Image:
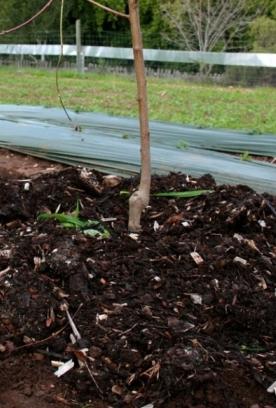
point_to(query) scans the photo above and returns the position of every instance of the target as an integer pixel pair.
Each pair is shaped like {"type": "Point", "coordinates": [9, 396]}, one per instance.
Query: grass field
{"type": "Point", "coordinates": [251, 109]}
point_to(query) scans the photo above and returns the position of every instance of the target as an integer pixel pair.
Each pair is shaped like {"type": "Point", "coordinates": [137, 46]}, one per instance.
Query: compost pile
{"type": "Point", "coordinates": [180, 315]}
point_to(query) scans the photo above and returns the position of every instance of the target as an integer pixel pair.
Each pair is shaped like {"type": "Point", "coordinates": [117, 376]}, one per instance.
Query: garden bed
{"type": "Point", "coordinates": [181, 315]}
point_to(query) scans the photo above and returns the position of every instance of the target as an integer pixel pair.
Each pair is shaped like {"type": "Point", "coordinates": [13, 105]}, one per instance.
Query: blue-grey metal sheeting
{"type": "Point", "coordinates": [45, 133]}
{"type": "Point", "coordinates": [162, 133]}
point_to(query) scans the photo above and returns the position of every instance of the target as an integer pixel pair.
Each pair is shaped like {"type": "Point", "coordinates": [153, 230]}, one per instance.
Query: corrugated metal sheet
{"type": "Point", "coordinates": [101, 145]}
{"type": "Point", "coordinates": [162, 133]}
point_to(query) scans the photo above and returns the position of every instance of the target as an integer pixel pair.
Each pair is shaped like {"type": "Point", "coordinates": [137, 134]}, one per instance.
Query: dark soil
{"type": "Point", "coordinates": [158, 325]}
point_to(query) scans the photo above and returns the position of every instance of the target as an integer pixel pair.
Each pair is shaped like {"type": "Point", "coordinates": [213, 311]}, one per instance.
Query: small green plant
{"type": "Point", "coordinates": [91, 228]}
{"type": "Point", "coordinates": [245, 156]}
{"type": "Point", "coordinates": [182, 145]}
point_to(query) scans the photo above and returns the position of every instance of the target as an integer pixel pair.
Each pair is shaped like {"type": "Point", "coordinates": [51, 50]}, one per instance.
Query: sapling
{"type": "Point", "coordinates": [140, 198]}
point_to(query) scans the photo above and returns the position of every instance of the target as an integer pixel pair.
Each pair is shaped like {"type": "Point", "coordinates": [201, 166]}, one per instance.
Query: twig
{"type": "Point", "coordinates": [51, 354]}
{"type": "Point", "coordinates": [93, 378]}
{"type": "Point", "coordinates": [110, 10]}
{"type": "Point", "coordinates": [152, 371]}
{"type": "Point", "coordinates": [52, 336]}
{"type": "Point", "coordinates": [4, 272]}
{"type": "Point", "coordinates": [128, 330]}
{"type": "Point", "coordinates": [11, 30]}
{"type": "Point", "coordinates": [83, 360]}
{"type": "Point", "coordinates": [73, 326]}
{"type": "Point", "coordinates": [39, 342]}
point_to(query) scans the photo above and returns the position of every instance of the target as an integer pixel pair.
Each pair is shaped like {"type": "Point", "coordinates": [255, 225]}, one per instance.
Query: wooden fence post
{"type": "Point", "coordinates": [80, 57]}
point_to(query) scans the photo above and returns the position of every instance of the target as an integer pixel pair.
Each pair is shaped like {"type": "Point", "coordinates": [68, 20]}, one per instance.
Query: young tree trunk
{"type": "Point", "coordinates": [140, 198]}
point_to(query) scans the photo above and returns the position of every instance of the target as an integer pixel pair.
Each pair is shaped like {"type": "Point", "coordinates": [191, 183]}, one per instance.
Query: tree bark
{"type": "Point", "coordinates": [140, 198]}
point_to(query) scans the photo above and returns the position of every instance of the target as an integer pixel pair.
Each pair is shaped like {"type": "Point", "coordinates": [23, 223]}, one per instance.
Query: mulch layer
{"type": "Point", "coordinates": [180, 315]}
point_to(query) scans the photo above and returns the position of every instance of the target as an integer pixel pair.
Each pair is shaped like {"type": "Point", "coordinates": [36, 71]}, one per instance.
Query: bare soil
{"type": "Point", "coordinates": [13, 164]}
{"type": "Point", "coordinates": [181, 315]}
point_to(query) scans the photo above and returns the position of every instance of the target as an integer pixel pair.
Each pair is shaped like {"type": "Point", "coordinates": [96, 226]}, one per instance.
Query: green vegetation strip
{"type": "Point", "coordinates": [170, 100]}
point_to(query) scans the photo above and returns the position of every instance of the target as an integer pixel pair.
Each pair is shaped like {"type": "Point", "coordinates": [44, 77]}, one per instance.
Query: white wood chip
{"type": "Point", "coordinates": [133, 236]}
{"type": "Point", "coordinates": [156, 226]}
{"type": "Point", "coordinates": [262, 223]}
{"type": "Point", "coordinates": [101, 317]}
{"type": "Point", "coordinates": [197, 258]}
{"type": "Point", "coordinates": [238, 237]}
{"type": "Point", "coordinates": [64, 368]}
{"type": "Point", "coordinates": [239, 260]}
{"type": "Point", "coordinates": [272, 388]}
{"type": "Point", "coordinates": [5, 253]}
{"type": "Point", "coordinates": [197, 299]}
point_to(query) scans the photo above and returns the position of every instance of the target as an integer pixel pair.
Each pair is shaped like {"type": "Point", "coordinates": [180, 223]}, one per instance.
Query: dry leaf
{"type": "Point", "coordinates": [252, 245]}
{"type": "Point", "coordinates": [116, 389]}
{"type": "Point", "coordinates": [174, 219]}
{"type": "Point", "coordinates": [111, 181]}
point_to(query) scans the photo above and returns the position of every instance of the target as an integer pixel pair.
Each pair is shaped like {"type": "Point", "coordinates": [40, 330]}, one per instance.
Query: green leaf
{"type": "Point", "coordinates": [76, 212]}
{"type": "Point", "coordinates": [91, 232]}
{"type": "Point", "coordinates": [124, 193]}
{"type": "Point", "coordinates": [72, 220]}
{"type": "Point", "coordinates": [174, 194]}
{"type": "Point", "coordinates": [182, 194]}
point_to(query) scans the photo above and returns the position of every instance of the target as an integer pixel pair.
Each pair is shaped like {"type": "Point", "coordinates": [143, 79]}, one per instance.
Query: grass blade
{"type": "Point", "coordinates": [182, 194]}
{"type": "Point", "coordinates": [174, 194]}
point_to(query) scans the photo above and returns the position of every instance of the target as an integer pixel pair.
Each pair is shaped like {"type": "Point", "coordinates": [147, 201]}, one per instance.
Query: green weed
{"type": "Point", "coordinates": [245, 156]}
{"type": "Point", "coordinates": [182, 145]}
{"type": "Point", "coordinates": [72, 220]}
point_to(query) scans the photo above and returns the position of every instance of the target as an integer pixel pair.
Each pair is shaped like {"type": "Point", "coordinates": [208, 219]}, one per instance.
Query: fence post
{"type": "Point", "coordinates": [80, 59]}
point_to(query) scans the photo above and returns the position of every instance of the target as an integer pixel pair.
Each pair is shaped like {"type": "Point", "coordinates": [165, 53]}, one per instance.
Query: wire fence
{"type": "Point", "coordinates": [197, 72]}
